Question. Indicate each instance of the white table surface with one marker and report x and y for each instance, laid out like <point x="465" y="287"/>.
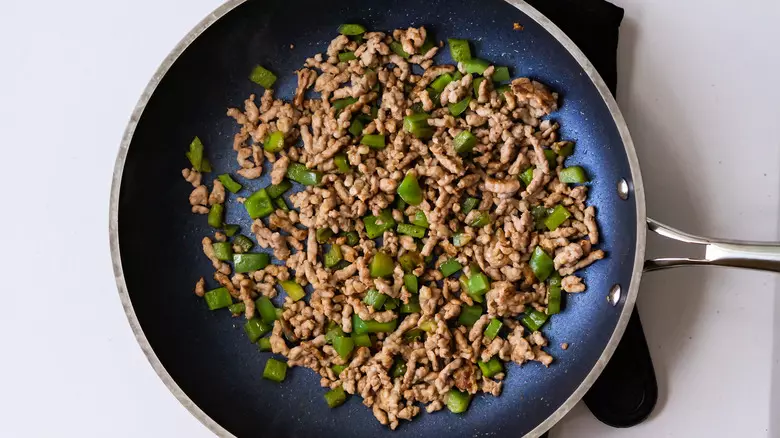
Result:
<point x="698" y="86"/>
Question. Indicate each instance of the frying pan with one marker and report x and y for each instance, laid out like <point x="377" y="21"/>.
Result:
<point x="204" y="358"/>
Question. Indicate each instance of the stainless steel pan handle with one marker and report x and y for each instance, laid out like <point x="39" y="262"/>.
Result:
<point x="763" y="256"/>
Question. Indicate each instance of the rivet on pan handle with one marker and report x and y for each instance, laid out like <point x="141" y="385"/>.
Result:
<point x="763" y="256"/>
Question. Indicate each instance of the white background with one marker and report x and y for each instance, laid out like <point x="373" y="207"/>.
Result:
<point x="698" y="86"/>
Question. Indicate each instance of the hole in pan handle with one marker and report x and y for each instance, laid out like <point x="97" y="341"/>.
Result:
<point x="763" y="256"/>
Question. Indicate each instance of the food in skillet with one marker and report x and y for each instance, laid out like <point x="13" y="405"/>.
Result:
<point x="437" y="226"/>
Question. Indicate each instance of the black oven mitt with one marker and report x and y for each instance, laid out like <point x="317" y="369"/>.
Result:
<point x="627" y="390"/>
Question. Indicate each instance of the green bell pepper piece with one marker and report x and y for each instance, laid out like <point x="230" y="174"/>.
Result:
<point x="479" y="284"/>
<point x="374" y="141"/>
<point x="459" y="50"/>
<point x="441" y="82"/>
<point x="450" y="267"/>
<point x="457" y="401"/>
<point x="333" y="256"/>
<point x="352" y="29"/>
<point x="264" y="344"/>
<point x="335" y="397"/>
<point x="301" y="174"/>
<point x="342" y="163"/>
<point x="411" y="230"/>
<point x="259" y="204"/>
<point x="491" y="331"/>
<point x="347" y="56"/>
<point x="253" y="261"/>
<point x="419" y="219"/>
<point x="458" y="108"/>
<point x="381" y="265"/>
<point x="276" y="190"/>
<point x="469" y="204"/>
<point x="275" y="370"/>
<point x="266" y="309"/>
<point x="242" y="243"/>
<point x="475" y="65"/>
<point x="480" y="219"/>
<point x="527" y="176"/>
<point x="501" y="74"/>
<point x="573" y="174"/>
<point x="464" y="142"/>
<point x="375" y="299"/>
<point x="195" y="154"/>
<point x="409" y="261"/>
<point x="343" y="346"/>
<point x="229" y="183"/>
<point x="558" y="216"/>
<point x="541" y="264"/>
<point x="409" y="190"/>
<point x="223" y="251"/>
<point x="360" y="326"/>
<point x="262" y="76"/>
<point x="377" y="225"/>
<point x="411" y="306"/>
<point x="398" y="49"/>
<point x="218" y="298"/>
<point x="294" y="290"/>
<point x="274" y="143"/>
<point x="216" y="215"/>
<point x="534" y="319"/>
<point x="469" y="315"/>
<point x="491" y="367"/>
<point x="411" y="283"/>
<point x="255" y="328"/>
<point x="554" y="295"/>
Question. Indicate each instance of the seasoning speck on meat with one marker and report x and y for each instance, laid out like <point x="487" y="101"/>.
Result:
<point x="410" y="258"/>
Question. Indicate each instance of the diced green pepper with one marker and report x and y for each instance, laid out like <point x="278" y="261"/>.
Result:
<point x="409" y="261"/>
<point x="281" y="204"/>
<point x="563" y="148"/>
<point x="333" y="256"/>
<point x="242" y="243"/>
<point x="255" y="328"/>
<point x="343" y="346"/>
<point x="351" y="29"/>
<point x="342" y="163"/>
<point x="527" y="176"/>
<point x="441" y="82"/>
<point x="276" y="190"/>
<point x="457" y="401"/>
<point x="275" y="370"/>
<point x="231" y="229"/>
<point x="411" y="306"/>
<point x="450" y="267"/>
<point x="398" y="369"/>
<point x="464" y="142"/>
<point x="375" y="299"/>
<point x="361" y="340"/>
<point x="374" y="141"/>
<point x="491" y="367"/>
<point x="475" y="85"/>
<point x="475" y="65"/>
<point x="398" y="49"/>
<point x="458" y="108"/>
<point x="481" y="218"/>
<point x="218" y="298"/>
<point x="429" y="326"/>
<point x="264" y="344"/>
<point x="391" y="303"/>
<point x="223" y="251"/>
<point x="263" y="77"/>
<point x="216" y="215"/>
<point x="335" y="397"/>
<point x="552" y="158"/>
<point x="340" y="104"/>
<point x="491" y="331"/>
<point x="195" y="154"/>
<point x="411" y="230"/>
<point x="301" y="174"/>
<point x="469" y="204"/>
<point x="399" y="204"/>
<point x="419" y="219"/>
<point x="274" y="143"/>
<point x="229" y="183"/>
<point x="352" y="238"/>
<point x="381" y="265"/>
<point x="356" y="128"/>
<point x="459" y="50"/>
<point x="360" y="326"/>
<point x="266" y="309"/>
<point x="377" y="225"/>
<point x="573" y="174"/>
<point x="478" y="283"/>
<point x="414" y="335"/>
<point x="554" y="295"/>
<point x="502" y="90"/>
<point x="249" y="262"/>
<point x="501" y="74"/>
<point x="338" y="368"/>
<point x="541" y="264"/>
<point x="469" y="315"/>
<point x="294" y="290"/>
<point x="417" y="125"/>
<point x="237" y="308"/>
<point x="411" y="283"/>
<point x="460" y="239"/>
<point x="409" y="190"/>
<point x="323" y="234"/>
<point x="259" y="204"/>
<point x="534" y="319"/>
<point x="347" y="56"/>
<point x="558" y="216"/>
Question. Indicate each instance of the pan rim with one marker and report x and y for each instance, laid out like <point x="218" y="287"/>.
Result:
<point x="560" y="36"/>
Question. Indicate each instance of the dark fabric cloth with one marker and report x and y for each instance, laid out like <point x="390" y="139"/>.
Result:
<point x="593" y="25"/>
